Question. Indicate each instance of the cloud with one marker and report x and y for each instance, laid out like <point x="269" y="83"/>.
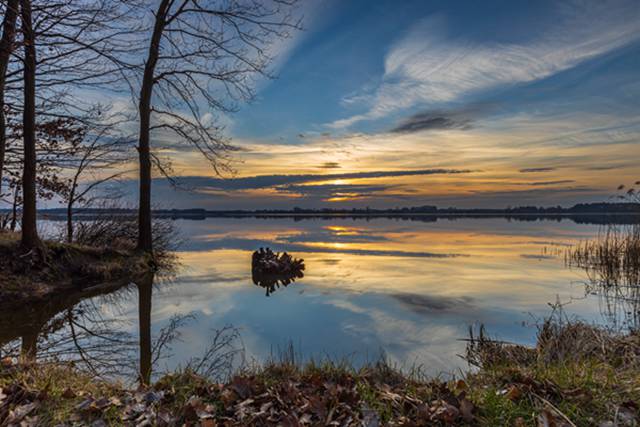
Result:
<point x="545" y="183"/>
<point x="330" y="192"/>
<point x="270" y="181"/>
<point x="430" y="304"/>
<point x="330" y="165"/>
<point x="430" y="120"/>
<point x="458" y="118"/>
<point x="425" y="121"/>
<point x="428" y="67"/>
<point x="536" y="170"/>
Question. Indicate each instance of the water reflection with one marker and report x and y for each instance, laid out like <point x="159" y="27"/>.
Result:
<point x="611" y="262"/>
<point x="271" y="270"/>
<point x="145" y="292"/>
<point x="70" y="327"/>
<point x="75" y="328"/>
<point x="411" y="288"/>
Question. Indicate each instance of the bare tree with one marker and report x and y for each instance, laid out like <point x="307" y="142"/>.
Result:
<point x="68" y="44"/>
<point x="58" y="144"/>
<point x="202" y="53"/>
<point x="99" y="156"/>
<point x="30" y="239"/>
<point x="6" y="47"/>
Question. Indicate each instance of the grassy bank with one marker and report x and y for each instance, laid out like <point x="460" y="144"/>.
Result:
<point x="577" y="375"/>
<point x="68" y="267"/>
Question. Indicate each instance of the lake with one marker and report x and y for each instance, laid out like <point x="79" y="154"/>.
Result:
<point x="410" y="289"/>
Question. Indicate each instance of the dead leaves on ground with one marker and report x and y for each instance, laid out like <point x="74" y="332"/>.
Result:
<point x="293" y="401"/>
<point x="286" y="400"/>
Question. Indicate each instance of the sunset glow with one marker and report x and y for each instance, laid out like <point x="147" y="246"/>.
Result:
<point x="541" y="118"/>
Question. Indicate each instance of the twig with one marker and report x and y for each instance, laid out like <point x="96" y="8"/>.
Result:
<point x="552" y="406"/>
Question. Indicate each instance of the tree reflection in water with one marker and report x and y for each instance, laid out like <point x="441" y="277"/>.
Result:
<point x="271" y="270"/>
<point x="73" y="328"/>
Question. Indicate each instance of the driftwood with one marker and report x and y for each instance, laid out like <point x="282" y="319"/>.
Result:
<point x="271" y="270"/>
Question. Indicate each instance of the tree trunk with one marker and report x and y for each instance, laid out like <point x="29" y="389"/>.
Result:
<point x="145" y="238"/>
<point x="30" y="239"/>
<point x="70" y="222"/>
<point x="14" y="210"/>
<point x="6" y="46"/>
<point x="145" y="293"/>
<point x="29" y="347"/>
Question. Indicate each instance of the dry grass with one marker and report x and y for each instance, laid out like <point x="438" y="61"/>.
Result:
<point x="581" y="374"/>
<point x="577" y="375"/>
<point x="58" y="389"/>
<point x="612" y="265"/>
<point x="613" y="258"/>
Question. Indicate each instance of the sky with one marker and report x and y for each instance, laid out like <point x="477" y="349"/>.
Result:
<point x="465" y="103"/>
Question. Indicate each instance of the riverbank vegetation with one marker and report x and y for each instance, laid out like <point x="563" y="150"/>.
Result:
<point x="103" y="252"/>
<point x="611" y="262"/>
<point x="68" y="267"/>
<point x="576" y="375"/>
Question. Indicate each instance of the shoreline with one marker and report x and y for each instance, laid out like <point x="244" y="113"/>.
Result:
<point x="576" y="375"/>
<point x="70" y="269"/>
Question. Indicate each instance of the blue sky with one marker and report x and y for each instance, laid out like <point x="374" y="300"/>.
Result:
<point x="340" y="62"/>
<point x="465" y="103"/>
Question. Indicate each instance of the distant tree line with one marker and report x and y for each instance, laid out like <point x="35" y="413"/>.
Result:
<point x="604" y="208"/>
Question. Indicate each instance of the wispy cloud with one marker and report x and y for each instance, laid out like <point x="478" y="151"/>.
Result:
<point x="536" y="170"/>
<point x="545" y="183"/>
<point x="441" y="119"/>
<point x="269" y="181"/>
<point x="330" y="165"/>
<point x="427" y="67"/>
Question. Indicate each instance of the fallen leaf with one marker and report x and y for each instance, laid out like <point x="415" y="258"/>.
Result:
<point x="466" y="409"/>
<point x="18" y="414"/>
<point x="513" y="393"/>
<point x="68" y="393"/>
<point x="548" y="419"/>
<point x="242" y="386"/>
<point x="101" y="404"/>
<point x="445" y="412"/>
<point x="370" y="417"/>
<point x="461" y="385"/>
<point x="84" y="405"/>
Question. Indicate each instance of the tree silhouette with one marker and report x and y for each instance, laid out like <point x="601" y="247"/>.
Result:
<point x="201" y="53"/>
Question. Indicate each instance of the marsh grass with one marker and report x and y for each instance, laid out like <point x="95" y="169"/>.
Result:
<point x="612" y="258"/>
<point x="611" y="262"/>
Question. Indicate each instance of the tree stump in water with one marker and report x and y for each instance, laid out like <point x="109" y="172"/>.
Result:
<point x="271" y="270"/>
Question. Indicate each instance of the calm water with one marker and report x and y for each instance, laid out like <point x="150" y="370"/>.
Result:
<point x="409" y="288"/>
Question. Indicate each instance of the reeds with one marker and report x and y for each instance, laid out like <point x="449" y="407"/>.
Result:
<point x="612" y="264"/>
<point x="613" y="258"/>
